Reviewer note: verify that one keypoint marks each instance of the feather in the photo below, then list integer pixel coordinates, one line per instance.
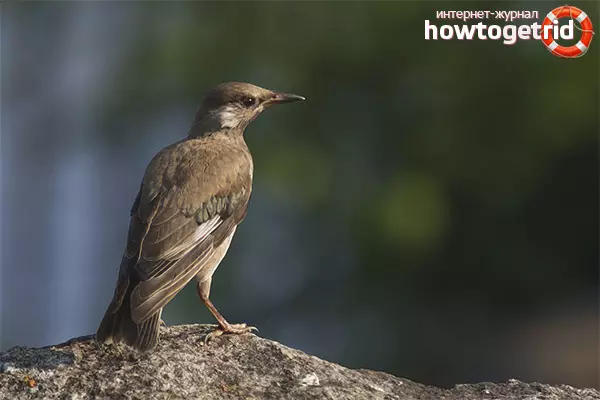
(186, 208)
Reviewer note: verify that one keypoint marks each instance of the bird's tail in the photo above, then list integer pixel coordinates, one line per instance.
(117, 325)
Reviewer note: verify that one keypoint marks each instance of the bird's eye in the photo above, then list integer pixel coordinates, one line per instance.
(249, 101)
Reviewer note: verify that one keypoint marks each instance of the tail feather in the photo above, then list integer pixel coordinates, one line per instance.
(147, 337)
(117, 325)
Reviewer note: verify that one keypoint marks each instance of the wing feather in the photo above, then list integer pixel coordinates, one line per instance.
(199, 235)
(184, 211)
(150, 296)
(166, 231)
(153, 294)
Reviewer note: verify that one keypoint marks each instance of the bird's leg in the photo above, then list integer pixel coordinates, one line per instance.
(203, 290)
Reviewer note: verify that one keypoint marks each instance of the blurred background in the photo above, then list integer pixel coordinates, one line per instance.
(430, 211)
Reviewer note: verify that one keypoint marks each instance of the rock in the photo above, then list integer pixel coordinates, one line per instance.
(230, 367)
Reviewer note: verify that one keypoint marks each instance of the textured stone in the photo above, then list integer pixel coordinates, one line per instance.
(230, 367)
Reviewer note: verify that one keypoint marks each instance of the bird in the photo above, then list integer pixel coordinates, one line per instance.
(193, 195)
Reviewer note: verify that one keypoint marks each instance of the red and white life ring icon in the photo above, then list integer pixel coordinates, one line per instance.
(587, 32)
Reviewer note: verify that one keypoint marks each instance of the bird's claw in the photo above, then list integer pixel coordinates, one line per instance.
(237, 329)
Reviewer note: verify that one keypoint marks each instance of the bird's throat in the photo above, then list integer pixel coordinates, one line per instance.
(224, 119)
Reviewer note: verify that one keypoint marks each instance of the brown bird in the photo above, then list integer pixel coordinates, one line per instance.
(193, 195)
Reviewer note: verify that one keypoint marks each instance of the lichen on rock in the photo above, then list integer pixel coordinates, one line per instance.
(230, 367)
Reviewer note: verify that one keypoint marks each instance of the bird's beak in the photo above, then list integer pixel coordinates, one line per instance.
(279, 98)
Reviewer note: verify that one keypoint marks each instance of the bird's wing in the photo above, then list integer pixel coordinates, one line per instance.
(172, 235)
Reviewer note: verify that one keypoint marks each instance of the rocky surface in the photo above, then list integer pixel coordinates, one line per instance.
(230, 367)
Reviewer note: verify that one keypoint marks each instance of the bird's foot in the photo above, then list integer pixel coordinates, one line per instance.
(237, 329)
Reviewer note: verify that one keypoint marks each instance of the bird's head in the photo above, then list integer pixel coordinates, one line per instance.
(233, 105)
